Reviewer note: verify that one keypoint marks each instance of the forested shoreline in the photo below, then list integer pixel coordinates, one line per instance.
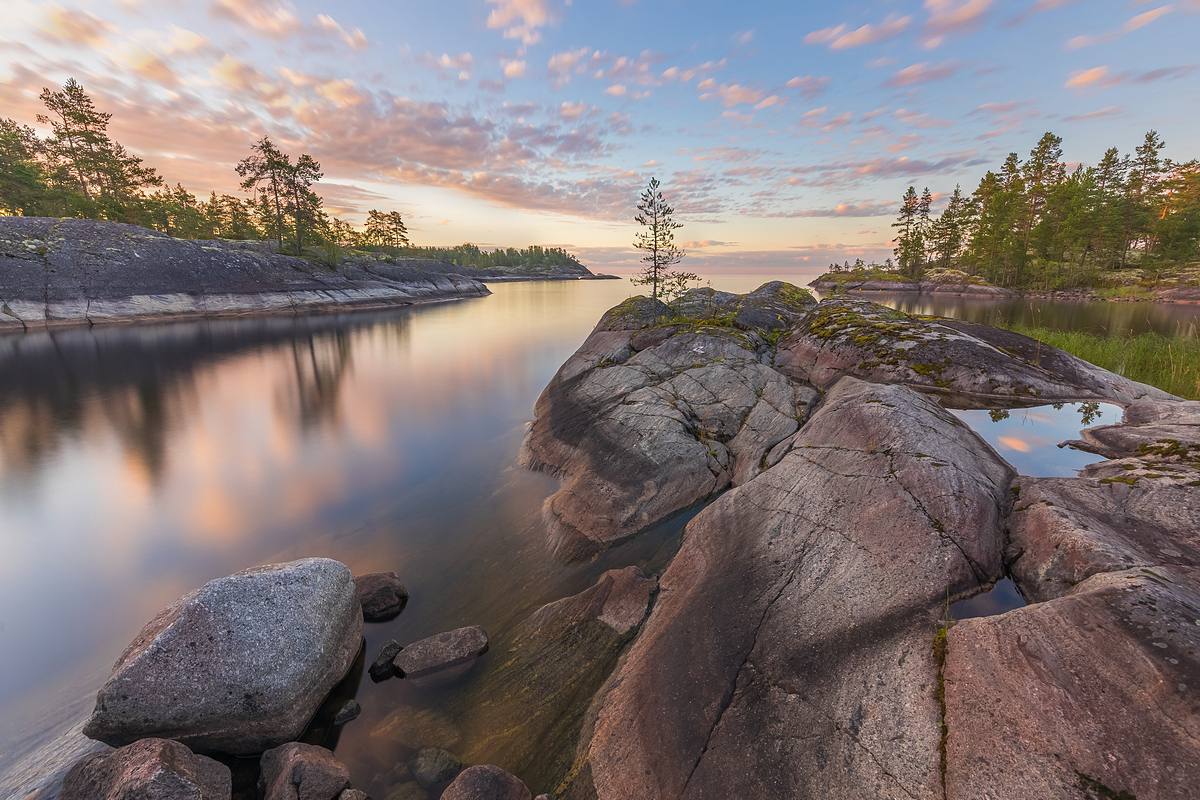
(80, 171)
(1130, 220)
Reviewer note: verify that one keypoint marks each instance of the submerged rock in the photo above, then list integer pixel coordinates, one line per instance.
(538, 685)
(298, 771)
(149, 769)
(433, 765)
(487, 782)
(444, 656)
(381, 595)
(239, 665)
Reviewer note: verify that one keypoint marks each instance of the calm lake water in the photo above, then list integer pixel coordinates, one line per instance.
(136, 463)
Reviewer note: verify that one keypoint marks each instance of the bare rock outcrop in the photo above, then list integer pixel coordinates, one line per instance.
(972, 364)
(1093, 694)
(789, 651)
(72, 271)
(238, 666)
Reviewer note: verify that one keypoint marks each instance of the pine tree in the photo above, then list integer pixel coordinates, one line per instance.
(386, 229)
(657, 240)
(267, 167)
(910, 247)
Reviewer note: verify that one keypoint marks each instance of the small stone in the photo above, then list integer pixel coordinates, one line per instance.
(381, 594)
(382, 668)
(347, 712)
(353, 794)
(486, 782)
(433, 765)
(302, 770)
(157, 769)
(442, 652)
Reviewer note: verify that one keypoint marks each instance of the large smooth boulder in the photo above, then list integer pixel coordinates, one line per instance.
(487, 782)
(789, 652)
(238, 666)
(433, 765)
(297, 771)
(1092, 694)
(149, 769)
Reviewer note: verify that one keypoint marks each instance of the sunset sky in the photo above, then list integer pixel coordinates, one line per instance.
(783, 133)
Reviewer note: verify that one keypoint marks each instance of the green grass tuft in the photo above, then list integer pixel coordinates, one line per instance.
(1170, 363)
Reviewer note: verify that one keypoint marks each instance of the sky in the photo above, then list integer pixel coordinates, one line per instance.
(784, 134)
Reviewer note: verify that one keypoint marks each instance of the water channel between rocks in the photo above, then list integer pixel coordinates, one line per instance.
(137, 463)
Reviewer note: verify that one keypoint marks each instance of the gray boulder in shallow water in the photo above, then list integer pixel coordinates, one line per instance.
(433, 765)
(445, 656)
(239, 665)
(487, 782)
(298, 771)
(150, 769)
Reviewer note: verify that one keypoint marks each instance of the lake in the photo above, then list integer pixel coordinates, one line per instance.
(138, 462)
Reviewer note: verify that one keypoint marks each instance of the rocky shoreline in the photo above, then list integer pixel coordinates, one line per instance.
(1185, 295)
(67, 272)
(799, 643)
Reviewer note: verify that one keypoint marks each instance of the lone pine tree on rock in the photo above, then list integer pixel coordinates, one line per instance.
(657, 239)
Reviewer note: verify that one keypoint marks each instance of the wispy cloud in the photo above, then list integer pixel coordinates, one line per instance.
(841, 38)
(1109, 111)
(1139, 21)
(74, 26)
(922, 73)
(265, 17)
(1097, 77)
(949, 17)
(865, 209)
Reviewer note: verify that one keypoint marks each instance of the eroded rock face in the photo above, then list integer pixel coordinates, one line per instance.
(648, 419)
(789, 651)
(1099, 687)
(974, 365)
(149, 769)
(239, 665)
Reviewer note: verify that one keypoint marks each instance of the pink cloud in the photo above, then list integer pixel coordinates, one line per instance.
(265, 17)
(865, 209)
(948, 17)
(922, 73)
(1110, 111)
(521, 19)
(1139, 21)
(839, 38)
(74, 26)
(731, 94)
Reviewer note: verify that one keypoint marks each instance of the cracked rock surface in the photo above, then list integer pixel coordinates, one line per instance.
(791, 649)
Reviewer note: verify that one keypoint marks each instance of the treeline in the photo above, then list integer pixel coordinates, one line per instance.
(1033, 224)
(80, 171)
(468, 255)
